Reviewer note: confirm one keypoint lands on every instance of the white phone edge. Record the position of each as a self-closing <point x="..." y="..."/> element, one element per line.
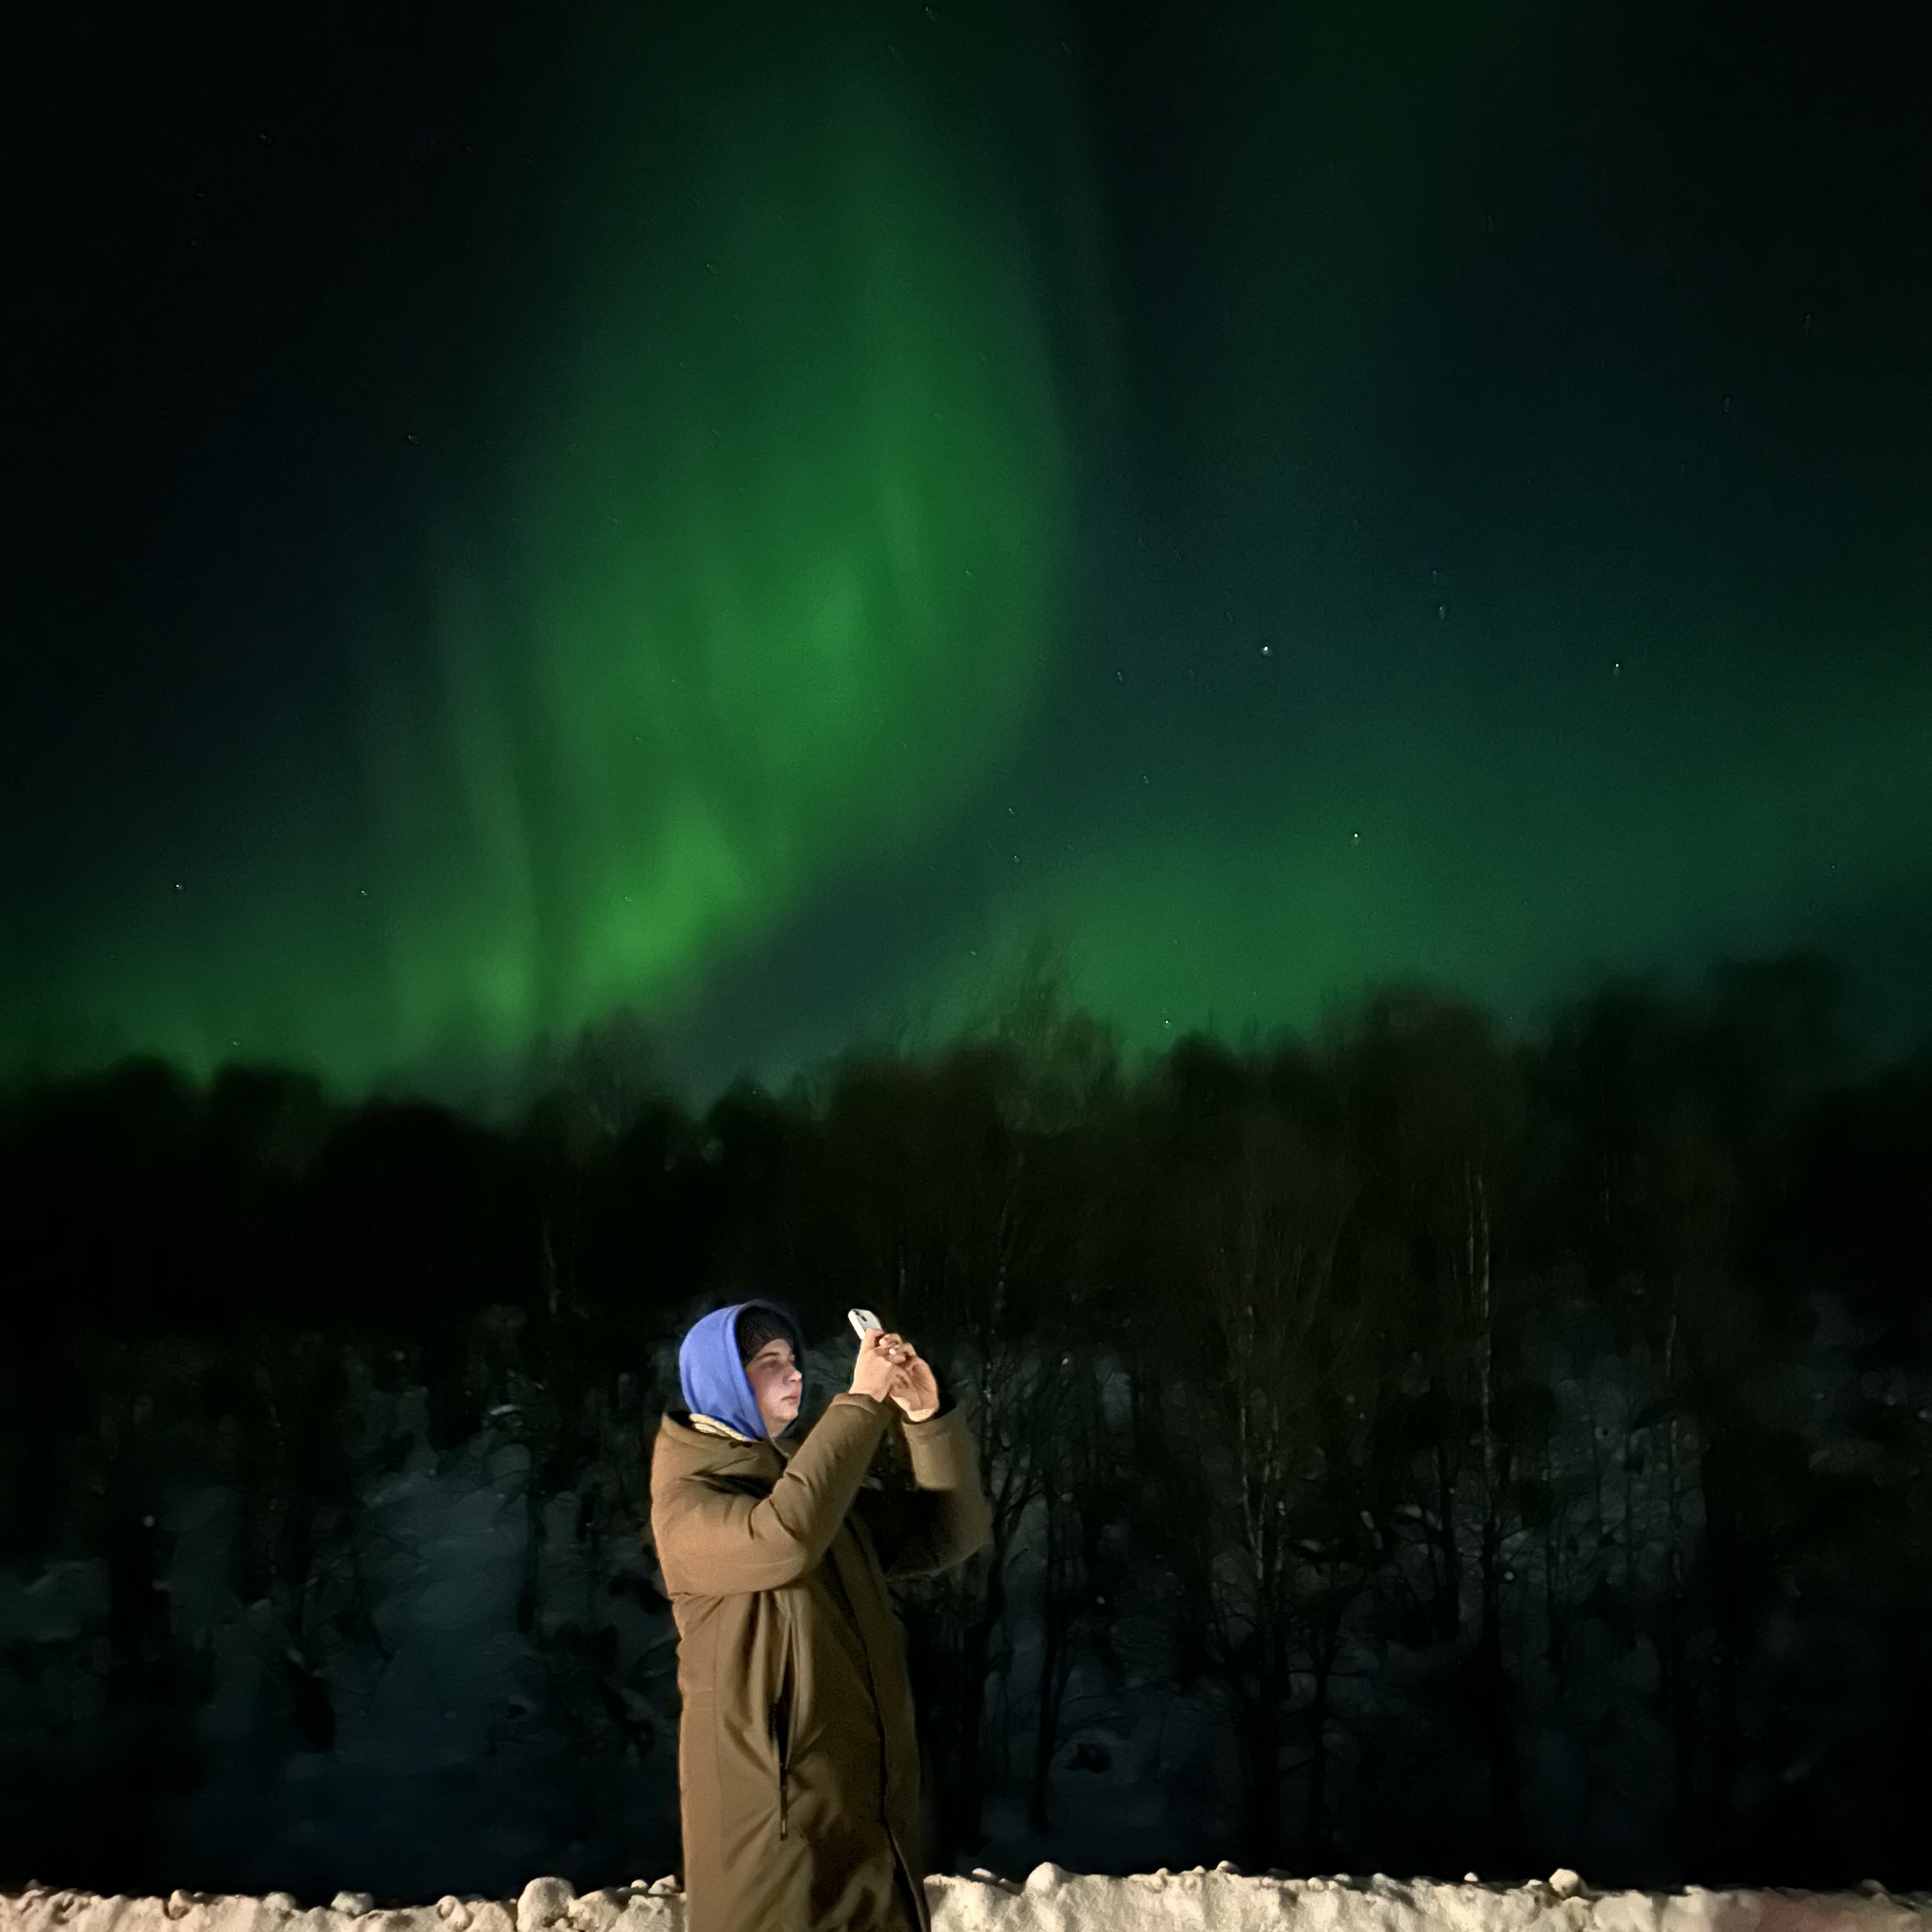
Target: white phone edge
<point x="861" y="1319"/>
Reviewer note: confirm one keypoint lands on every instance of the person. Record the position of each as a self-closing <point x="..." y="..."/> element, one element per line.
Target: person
<point x="798" y="1764"/>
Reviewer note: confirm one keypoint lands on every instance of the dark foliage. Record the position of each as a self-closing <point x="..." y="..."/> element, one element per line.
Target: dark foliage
<point x="1511" y="1452"/>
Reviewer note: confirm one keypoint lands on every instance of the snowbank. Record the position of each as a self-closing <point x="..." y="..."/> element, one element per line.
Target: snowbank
<point x="1050" y="1900"/>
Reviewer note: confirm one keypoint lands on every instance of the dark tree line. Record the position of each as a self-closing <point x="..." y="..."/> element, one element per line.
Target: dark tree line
<point x="1497" y="1452"/>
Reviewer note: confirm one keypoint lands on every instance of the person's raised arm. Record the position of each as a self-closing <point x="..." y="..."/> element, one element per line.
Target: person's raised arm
<point x="714" y="1541"/>
<point x="945" y="1518"/>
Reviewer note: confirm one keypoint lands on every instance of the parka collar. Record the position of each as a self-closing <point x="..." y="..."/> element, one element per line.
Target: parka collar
<point x="704" y="1443"/>
<point x="709" y="1425"/>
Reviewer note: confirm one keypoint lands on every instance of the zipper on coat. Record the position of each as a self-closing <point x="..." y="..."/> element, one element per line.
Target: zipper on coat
<point x="782" y="1726"/>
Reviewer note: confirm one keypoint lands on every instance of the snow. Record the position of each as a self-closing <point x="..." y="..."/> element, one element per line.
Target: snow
<point x="1050" y="1900"/>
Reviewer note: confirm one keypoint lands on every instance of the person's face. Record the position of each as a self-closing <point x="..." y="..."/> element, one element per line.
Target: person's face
<point x="778" y="1384"/>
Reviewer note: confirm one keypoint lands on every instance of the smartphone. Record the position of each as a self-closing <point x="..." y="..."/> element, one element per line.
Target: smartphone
<point x="861" y="1319"/>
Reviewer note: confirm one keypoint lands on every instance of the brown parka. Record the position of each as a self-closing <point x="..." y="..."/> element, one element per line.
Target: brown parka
<point x="798" y="1767"/>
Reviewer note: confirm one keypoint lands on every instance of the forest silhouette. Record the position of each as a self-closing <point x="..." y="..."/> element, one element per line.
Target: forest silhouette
<point x="1514" y="1448"/>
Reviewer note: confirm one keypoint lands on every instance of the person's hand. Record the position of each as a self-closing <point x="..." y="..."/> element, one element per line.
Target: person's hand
<point x="877" y="1367"/>
<point x="916" y="1388"/>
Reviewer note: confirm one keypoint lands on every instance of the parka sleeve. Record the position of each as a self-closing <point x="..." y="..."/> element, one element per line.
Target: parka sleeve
<point x="946" y="1518"/>
<point x="715" y="1541"/>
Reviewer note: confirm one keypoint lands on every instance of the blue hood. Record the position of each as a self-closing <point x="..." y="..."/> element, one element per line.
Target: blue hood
<point x="713" y="1378"/>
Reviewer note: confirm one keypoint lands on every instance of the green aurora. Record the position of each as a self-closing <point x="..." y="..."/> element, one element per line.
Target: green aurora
<point x="1266" y="502"/>
<point x="1446" y="849"/>
<point x="779" y="571"/>
<point x="792" y="571"/>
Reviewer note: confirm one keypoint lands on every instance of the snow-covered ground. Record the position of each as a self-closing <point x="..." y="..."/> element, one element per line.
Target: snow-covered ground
<point x="1049" y="1900"/>
<point x="460" y="1749"/>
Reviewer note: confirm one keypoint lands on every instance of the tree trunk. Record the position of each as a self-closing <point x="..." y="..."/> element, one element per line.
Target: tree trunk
<point x="1327" y="1634"/>
<point x="1446" y="1611"/>
<point x="1497" y="1695"/>
<point x="1055" y="1667"/>
<point x="1259" y="1722"/>
<point x="969" y="1798"/>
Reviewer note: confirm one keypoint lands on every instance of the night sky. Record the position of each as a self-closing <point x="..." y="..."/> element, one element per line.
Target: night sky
<point x="522" y="514"/>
